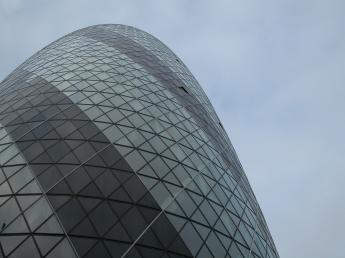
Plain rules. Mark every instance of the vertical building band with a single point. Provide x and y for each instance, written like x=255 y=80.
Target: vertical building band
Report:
x=110 y=148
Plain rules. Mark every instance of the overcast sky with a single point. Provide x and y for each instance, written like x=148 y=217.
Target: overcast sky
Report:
x=274 y=71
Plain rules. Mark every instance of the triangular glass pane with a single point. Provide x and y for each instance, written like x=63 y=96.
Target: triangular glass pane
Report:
x=63 y=249
x=50 y=226
x=26 y=249
x=116 y=248
x=17 y=226
x=46 y=242
x=83 y=245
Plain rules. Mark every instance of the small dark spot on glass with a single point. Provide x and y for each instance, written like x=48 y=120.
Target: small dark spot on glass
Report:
x=184 y=89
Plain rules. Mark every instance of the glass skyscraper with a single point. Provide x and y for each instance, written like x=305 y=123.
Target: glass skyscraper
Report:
x=110 y=148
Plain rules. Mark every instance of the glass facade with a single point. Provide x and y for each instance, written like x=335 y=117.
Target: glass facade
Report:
x=110 y=148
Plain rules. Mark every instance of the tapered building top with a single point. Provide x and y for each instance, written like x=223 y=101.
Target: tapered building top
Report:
x=109 y=147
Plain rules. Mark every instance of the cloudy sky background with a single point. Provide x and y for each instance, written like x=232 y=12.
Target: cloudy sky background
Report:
x=274 y=71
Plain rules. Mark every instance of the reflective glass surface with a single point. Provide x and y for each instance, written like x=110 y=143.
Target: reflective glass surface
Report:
x=110 y=148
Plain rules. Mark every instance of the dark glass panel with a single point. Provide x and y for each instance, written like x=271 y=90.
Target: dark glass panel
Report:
x=71 y=214
x=62 y=250
x=102 y=218
x=26 y=249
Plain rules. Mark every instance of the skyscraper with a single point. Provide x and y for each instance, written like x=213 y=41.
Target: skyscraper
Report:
x=110 y=148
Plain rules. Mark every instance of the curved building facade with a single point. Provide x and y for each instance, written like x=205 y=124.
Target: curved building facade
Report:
x=110 y=148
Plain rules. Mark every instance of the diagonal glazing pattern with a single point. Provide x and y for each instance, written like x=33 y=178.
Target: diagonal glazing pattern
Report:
x=110 y=148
